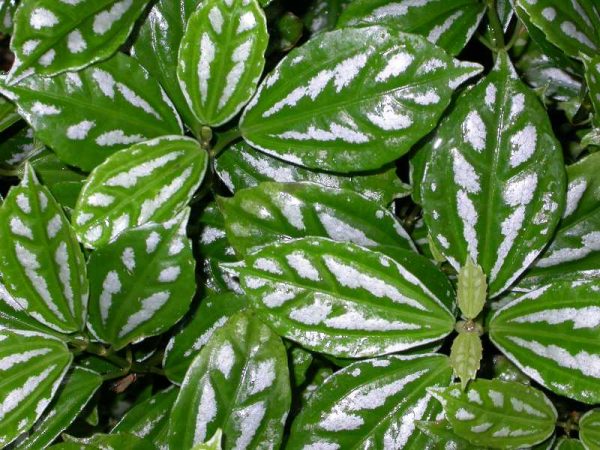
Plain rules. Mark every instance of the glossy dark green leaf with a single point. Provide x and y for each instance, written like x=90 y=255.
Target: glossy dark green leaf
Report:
x=19 y=144
x=498 y=414
x=7 y=13
x=106 y=441
x=221 y=58
x=32 y=366
x=447 y=23
x=372 y=404
x=141 y=283
x=589 y=429
x=274 y=212
x=8 y=111
x=41 y=264
x=592 y=78
x=323 y=15
x=148 y=182
x=239 y=383
x=495 y=197
x=553 y=335
x=51 y=37
x=300 y=361
x=345 y=300
x=364 y=96
x=443 y=435
x=85 y=116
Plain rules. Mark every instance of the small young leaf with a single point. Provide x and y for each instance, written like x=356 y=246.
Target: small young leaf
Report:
x=589 y=429
x=214 y=443
x=472 y=289
x=465 y=356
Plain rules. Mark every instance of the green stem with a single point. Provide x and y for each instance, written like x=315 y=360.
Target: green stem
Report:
x=515 y=36
x=223 y=140
x=497 y=32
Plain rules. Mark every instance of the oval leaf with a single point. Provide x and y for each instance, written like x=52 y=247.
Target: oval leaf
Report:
x=589 y=429
x=369 y=95
x=150 y=181
x=239 y=383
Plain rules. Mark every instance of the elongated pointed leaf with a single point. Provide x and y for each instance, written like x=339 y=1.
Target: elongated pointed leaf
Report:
x=221 y=58
x=85 y=116
x=498 y=414
x=141 y=283
x=471 y=289
x=374 y=403
x=77 y=389
x=32 y=366
x=553 y=335
x=352 y=99
x=51 y=37
x=239 y=383
x=42 y=265
x=184 y=346
x=592 y=78
x=148 y=182
x=345 y=300
x=240 y=166
x=273 y=212
x=447 y=23
x=589 y=429
x=495 y=197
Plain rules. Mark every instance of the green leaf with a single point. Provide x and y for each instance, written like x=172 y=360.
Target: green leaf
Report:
x=42 y=265
x=592 y=78
x=240 y=166
x=443 y=435
x=449 y=24
x=494 y=197
x=51 y=37
x=103 y=108
x=589 y=429
x=8 y=111
x=569 y=444
x=239 y=383
x=221 y=58
x=345 y=300
x=465 y=356
x=553 y=335
x=7 y=13
x=372 y=404
x=472 y=289
x=150 y=181
x=18 y=145
x=184 y=346
x=214 y=443
x=322 y=15
x=300 y=361
x=156 y=48
x=273 y=212
x=105 y=441
x=77 y=389
x=141 y=283
x=571 y=26
x=498 y=414
x=32 y=366
x=364 y=96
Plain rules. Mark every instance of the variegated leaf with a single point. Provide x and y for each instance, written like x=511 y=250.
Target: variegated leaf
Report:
x=240 y=167
x=239 y=383
x=589 y=429
x=184 y=346
x=498 y=414
x=19 y=145
x=373 y=404
x=221 y=58
x=7 y=13
x=345 y=300
x=441 y=432
x=41 y=263
x=553 y=335
x=101 y=109
x=105 y=441
x=274 y=212
x=51 y=37
x=447 y=23
x=352 y=99
x=8 y=111
x=141 y=283
x=494 y=183
x=148 y=182
x=592 y=78
x=32 y=366
x=323 y=15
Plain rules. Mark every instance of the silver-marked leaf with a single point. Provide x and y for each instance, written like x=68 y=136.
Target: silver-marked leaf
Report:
x=32 y=366
x=323 y=15
x=373 y=404
x=76 y=390
x=553 y=335
x=51 y=37
x=239 y=383
x=494 y=183
x=184 y=346
x=565 y=443
x=85 y=116
x=441 y=432
x=7 y=13
x=221 y=58
x=592 y=78
x=41 y=264
x=571 y=26
x=156 y=48
x=8 y=111
x=498 y=414
x=589 y=429
x=147 y=182
x=447 y=23
x=273 y=212
x=105 y=441
x=240 y=166
x=19 y=145
x=352 y=99
x=345 y=300
x=141 y=283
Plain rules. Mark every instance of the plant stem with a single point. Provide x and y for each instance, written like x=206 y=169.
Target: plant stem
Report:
x=497 y=32
x=223 y=140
